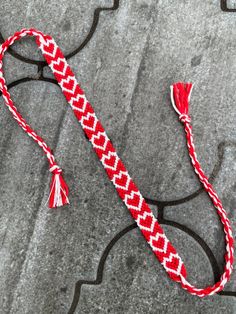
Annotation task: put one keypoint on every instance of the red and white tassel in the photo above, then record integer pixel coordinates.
(180, 97)
(58, 190)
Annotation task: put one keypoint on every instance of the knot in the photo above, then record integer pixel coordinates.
(184, 118)
(55, 169)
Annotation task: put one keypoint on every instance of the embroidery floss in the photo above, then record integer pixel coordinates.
(116, 171)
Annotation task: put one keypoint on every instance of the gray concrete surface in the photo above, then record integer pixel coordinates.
(126, 69)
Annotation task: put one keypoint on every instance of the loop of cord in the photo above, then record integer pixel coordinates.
(116, 171)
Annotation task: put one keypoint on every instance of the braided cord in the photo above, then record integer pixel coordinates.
(6, 95)
(229, 256)
(58, 188)
(180, 95)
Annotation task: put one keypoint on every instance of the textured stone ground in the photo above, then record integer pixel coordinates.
(134, 54)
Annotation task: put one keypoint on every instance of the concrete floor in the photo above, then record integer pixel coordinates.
(125, 63)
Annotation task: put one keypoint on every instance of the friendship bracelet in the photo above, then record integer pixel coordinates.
(116, 171)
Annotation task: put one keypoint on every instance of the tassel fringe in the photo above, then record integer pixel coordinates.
(58, 189)
(180, 97)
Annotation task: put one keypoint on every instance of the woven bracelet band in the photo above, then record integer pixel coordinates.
(116, 171)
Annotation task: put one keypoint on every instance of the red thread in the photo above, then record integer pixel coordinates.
(116, 171)
(180, 96)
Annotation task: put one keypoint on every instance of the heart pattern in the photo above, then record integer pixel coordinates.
(117, 173)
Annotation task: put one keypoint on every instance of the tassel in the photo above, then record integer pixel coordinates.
(180, 97)
(58, 189)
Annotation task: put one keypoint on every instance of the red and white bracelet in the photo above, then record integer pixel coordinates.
(116, 171)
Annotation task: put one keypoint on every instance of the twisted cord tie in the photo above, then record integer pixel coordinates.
(180, 97)
(58, 188)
